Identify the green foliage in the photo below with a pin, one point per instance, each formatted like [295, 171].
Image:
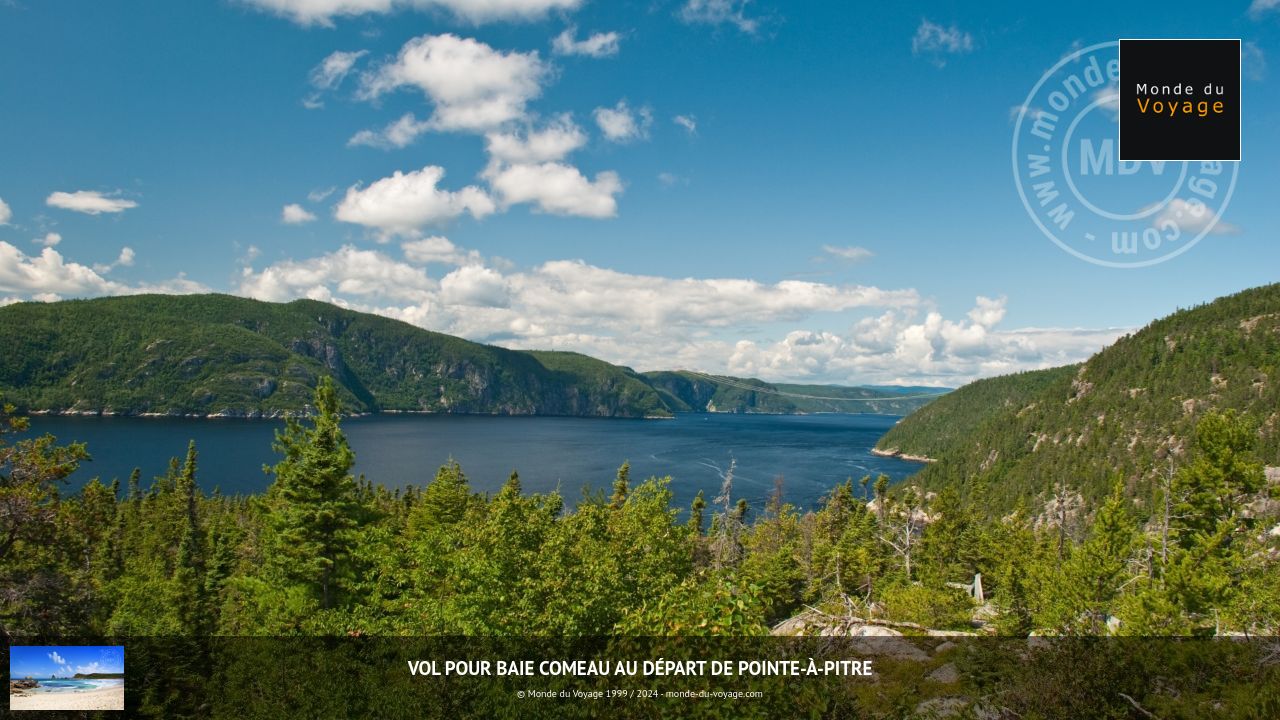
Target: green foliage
[933, 607]
[205, 354]
[38, 597]
[1130, 409]
[712, 605]
[323, 554]
[312, 503]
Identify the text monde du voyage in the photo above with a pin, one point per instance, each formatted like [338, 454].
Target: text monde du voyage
[1179, 99]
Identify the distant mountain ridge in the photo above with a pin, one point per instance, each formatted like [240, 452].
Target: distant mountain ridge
[683, 390]
[220, 355]
[1126, 412]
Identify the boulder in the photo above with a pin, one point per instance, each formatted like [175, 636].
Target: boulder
[946, 674]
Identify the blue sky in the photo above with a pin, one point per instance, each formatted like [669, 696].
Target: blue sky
[42, 661]
[813, 191]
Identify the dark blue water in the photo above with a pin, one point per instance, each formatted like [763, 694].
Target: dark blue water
[812, 452]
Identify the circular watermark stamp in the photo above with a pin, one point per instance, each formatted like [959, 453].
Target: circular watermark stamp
[1083, 197]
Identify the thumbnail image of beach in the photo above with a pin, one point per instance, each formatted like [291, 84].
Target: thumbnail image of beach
[66, 677]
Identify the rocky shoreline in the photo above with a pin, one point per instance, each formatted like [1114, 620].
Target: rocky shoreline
[896, 453]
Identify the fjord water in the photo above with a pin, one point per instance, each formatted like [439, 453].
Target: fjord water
[812, 452]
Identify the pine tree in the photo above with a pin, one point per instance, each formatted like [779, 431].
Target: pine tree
[312, 502]
[697, 514]
[1096, 570]
[621, 485]
[1210, 490]
[444, 501]
[189, 566]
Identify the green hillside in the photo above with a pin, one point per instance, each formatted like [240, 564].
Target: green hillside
[224, 355]
[1128, 411]
[696, 392]
[220, 354]
[947, 424]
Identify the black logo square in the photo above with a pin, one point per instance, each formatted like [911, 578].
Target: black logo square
[1180, 100]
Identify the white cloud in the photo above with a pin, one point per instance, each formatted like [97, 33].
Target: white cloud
[988, 312]
[560, 137]
[653, 322]
[937, 41]
[1258, 8]
[331, 71]
[1030, 112]
[125, 259]
[319, 195]
[558, 189]
[5, 213]
[898, 347]
[480, 11]
[1254, 60]
[621, 124]
[54, 656]
[90, 202]
[553, 301]
[1191, 217]
[295, 214]
[49, 273]
[848, 253]
[398, 134]
[596, 45]
[437, 249]
[329, 74]
[46, 272]
[474, 285]
[347, 271]
[473, 86]
[405, 202]
[323, 12]
[1076, 46]
[49, 239]
[1108, 99]
[671, 179]
[718, 12]
[688, 122]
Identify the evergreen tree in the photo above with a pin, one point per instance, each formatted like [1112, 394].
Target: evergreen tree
[444, 501]
[36, 596]
[1209, 491]
[189, 566]
[621, 484]
[312, 501]
[698, 514]
[1096, 570]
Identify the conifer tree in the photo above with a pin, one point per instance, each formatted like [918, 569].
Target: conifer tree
[189, 566]
[312, 502]
[697, 514]
[444, 501]
[621, 485]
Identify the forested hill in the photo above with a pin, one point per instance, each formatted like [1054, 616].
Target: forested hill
[697, 392]
[224, 355]
[1128, 411]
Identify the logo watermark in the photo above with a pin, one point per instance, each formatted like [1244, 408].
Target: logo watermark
[1103, 210]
